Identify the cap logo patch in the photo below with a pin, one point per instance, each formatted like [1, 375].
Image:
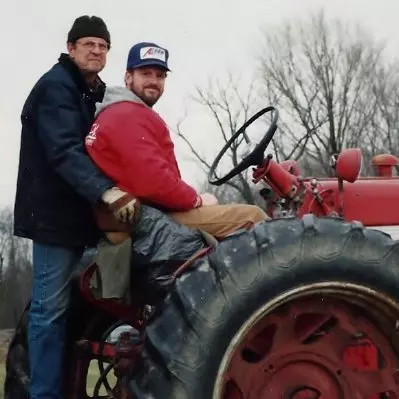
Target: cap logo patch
[153, 53]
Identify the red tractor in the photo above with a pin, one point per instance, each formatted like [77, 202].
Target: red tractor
[304, 306]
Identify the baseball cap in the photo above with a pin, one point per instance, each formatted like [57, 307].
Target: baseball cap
[147, 54]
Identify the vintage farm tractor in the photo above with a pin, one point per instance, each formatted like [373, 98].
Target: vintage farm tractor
[304, 306]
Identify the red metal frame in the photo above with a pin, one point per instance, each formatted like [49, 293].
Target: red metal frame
[125, 355]
[371, 200]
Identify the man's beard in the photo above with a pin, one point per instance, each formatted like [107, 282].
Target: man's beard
[148, 100]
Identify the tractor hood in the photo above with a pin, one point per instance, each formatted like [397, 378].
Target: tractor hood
[117, 94]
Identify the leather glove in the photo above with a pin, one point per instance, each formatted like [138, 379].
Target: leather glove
[123, 206]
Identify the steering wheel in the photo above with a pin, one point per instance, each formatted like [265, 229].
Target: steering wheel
[254, 158]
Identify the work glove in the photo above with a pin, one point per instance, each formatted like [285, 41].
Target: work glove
[123, 206]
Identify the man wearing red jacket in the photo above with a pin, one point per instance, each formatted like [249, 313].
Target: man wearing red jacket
[131, 144]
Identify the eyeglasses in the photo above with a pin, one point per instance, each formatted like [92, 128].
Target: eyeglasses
[90, 46]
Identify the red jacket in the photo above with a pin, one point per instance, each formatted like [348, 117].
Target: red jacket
[131, 144]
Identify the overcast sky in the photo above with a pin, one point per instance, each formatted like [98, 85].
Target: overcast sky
[205, 37]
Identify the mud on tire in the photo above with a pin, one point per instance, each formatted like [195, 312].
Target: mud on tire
[188, 336]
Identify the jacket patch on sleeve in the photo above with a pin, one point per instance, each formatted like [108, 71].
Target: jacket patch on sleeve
[91, 137]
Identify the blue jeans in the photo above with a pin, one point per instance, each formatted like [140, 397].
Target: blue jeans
[53, 269]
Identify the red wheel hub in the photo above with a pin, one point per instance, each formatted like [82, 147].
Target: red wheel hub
[307, 380]
[313, 349]
[306, 393]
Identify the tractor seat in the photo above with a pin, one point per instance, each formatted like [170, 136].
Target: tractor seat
[117, 307]
[113, 278]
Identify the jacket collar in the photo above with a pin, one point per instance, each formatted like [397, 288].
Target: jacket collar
[96, 92]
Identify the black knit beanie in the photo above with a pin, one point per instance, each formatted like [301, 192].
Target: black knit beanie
[86, 26]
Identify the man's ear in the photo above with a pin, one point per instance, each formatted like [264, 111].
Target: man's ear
[71, 48]
[128, 79]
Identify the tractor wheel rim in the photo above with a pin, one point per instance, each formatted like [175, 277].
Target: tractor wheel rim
[301, 345]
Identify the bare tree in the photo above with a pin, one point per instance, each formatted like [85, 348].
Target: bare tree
[322, 76]
[385, 128]
[333, 87]
[229, 106]
[6, 220]
[16, 271]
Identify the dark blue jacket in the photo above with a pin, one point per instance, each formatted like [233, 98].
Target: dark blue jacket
[57, 181]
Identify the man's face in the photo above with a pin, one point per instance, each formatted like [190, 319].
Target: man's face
[89, 54]
[147, 83]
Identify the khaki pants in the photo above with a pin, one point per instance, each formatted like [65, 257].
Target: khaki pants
[221, 220]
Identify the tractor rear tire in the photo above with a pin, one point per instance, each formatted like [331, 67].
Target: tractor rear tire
[187, 339]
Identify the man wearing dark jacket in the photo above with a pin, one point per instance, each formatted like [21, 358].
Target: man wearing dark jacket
[56, 189]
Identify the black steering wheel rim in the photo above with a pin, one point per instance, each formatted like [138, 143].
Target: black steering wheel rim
[255, 158]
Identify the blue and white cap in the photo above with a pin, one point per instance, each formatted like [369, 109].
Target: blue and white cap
[147, 54]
